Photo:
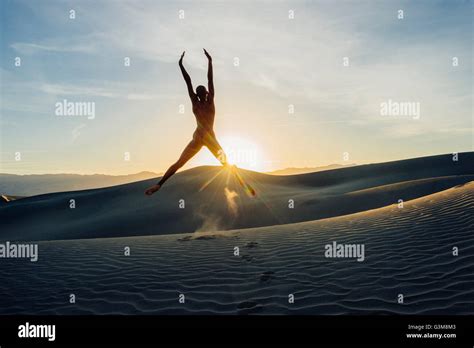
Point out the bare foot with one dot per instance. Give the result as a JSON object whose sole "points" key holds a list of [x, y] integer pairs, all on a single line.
{"points": [[152, 190]]}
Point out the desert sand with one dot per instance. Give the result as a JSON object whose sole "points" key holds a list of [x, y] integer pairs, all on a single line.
{"points": [[191, 251], [123, 211], [37, 184]]}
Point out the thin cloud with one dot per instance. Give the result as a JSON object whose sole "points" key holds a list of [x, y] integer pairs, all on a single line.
{"points": [[74, 90], [32, 48]]}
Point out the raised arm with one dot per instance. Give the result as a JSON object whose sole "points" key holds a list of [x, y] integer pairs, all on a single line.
{"points": [[210, 77], [187, 78]]}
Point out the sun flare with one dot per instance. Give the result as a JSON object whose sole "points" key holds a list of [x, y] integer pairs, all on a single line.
{"points": [[241, 152]]}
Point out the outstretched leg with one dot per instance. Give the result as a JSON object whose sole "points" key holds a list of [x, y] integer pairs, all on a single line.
{"points": [[191, 149], [216, 149]]}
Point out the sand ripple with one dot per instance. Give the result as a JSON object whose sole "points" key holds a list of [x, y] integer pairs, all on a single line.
{"points": [[408, 251]]}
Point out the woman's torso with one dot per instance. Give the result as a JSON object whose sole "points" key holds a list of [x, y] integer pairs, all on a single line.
{"points": [[204, 113]]}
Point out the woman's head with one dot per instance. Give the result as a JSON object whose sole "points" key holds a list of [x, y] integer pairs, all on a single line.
{"points": [[201, 92]]}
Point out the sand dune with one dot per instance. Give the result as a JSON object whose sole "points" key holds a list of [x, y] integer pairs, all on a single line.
{"points": [[304, 170], [36, 184], [407, 251], [223, 205], [4, 199]]}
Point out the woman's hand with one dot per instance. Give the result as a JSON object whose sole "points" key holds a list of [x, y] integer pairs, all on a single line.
{"points": [[207, 54]]}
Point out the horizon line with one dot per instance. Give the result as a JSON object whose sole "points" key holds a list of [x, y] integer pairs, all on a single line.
{"points": [[263, 172]]}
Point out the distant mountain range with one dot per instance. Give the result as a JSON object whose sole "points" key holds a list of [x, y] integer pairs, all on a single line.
{"points": [[293, 171], [36, 184]]}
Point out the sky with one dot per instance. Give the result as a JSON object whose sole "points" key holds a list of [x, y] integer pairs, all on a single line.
{"points": [[298, 83]]}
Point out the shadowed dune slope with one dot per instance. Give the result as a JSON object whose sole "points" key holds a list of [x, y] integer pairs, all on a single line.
{"points": [[408, 251], [124, 210]]}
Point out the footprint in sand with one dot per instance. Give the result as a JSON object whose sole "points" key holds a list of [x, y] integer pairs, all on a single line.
{"points": [[206, 237], [266, 276], [188, 238]]}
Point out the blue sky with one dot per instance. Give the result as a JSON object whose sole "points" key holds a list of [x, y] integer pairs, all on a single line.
{"points": [[281, 62]]}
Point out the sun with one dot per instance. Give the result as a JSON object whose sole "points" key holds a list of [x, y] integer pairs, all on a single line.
{"points": [[240, 151]]}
